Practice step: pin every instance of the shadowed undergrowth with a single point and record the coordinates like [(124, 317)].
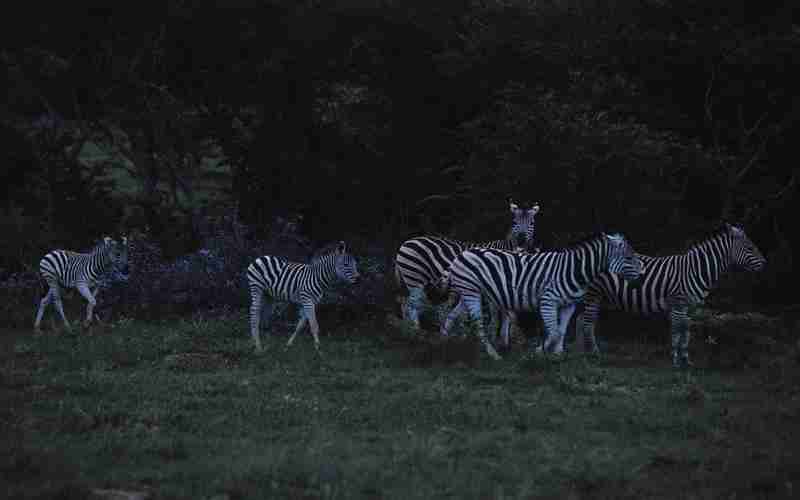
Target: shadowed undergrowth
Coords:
[(185, 409)]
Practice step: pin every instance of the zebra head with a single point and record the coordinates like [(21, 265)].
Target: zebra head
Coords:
[(116, 253), (622, 259), (523, 225), (345, 264), (743, 252)]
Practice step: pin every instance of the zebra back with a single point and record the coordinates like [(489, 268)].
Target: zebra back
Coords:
[(516, 281)]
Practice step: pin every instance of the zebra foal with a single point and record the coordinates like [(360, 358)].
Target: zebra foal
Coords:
[(670, 285), (62, 268), (420, 261), (553, 282), (302, 284)]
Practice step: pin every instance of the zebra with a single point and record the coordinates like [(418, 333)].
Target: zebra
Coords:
[(670, 285), (63, 268), (552, 281), (302, 284), (420, 261)]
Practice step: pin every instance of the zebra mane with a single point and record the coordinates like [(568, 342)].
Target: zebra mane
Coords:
[(719, 230), (324, 251), (464, 242)]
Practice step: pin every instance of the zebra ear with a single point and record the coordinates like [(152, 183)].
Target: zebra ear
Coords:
[(535, 209), (512, 206), (735, 229), (341, 247), (107, 239), (124, 240)]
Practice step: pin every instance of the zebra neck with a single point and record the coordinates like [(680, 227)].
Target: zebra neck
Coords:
[(324, 270), (101, 260), (590, 261), (706, 263)]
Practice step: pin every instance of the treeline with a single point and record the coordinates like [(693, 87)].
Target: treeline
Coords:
[(387, 118)]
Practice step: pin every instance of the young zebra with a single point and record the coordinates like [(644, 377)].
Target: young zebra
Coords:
[(670, 284), (552, 281), (62, 268), (420, 261), (302, 284)]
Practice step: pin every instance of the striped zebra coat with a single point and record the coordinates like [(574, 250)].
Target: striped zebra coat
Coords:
[(670, 285), (302, 284), (553, 282), (63, 268), (421, 261)]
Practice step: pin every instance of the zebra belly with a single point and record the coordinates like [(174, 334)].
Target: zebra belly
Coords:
[(279, 294), (639, 307)]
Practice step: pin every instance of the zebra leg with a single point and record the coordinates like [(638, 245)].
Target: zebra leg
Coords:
[(311, 315), (60, 307), (413, 304), (87, 294), (548, 309), (95, 293), (256, 297), (679, 324), (584, 327), (300, 324), (505, 330), (473, 306), (564, 315), (42, 307), (451, 317)]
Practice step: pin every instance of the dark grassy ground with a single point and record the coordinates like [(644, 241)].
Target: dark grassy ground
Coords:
[(185, 409)]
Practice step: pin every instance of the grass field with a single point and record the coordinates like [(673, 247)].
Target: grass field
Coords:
[(185, 409)]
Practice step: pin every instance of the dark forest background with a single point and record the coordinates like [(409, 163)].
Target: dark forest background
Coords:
[(377, 120)]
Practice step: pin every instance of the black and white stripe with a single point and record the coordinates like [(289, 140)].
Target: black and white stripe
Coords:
[(421, 261), (62, 268), (302, 284), (670, 285), (553, 282)]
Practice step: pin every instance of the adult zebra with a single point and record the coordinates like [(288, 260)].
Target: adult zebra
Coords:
[(670, 285), (421, 261), (62, 268), (552, 281), (302, 284)]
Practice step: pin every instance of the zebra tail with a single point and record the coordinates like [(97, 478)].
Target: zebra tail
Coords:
[(438, 291)]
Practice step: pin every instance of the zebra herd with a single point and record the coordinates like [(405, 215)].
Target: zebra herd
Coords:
[(512, 274)]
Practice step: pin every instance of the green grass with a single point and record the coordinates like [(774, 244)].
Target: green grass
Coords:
[(186, 409)]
